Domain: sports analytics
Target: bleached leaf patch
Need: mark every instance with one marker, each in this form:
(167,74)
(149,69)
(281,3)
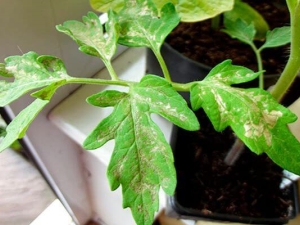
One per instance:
(253,114)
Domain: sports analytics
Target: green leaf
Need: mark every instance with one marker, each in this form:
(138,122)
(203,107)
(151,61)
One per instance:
(2,131)
(240,30)
(285,149)
(90,37)
(189,11)
(47,92)
(198,10)
(232,74)
(248,14)
(106,5)
(19,125)
(140,25)
(277,37)
(142,160)
(17,128)
(106,98)
(253,114)
(30,72)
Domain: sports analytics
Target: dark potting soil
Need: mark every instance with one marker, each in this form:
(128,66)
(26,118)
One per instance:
(201,43)
(249,188)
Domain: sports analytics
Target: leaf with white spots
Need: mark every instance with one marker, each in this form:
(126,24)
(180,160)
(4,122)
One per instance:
(142,159)
(17,128)
(232,74)
(141,26)
(30,72)
(253,114)
(90,36)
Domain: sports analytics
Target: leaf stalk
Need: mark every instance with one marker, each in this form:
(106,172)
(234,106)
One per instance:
(235,152)
(182,87)
(111,70)
(76,80)
(163,65)
(259,64)
(215,22)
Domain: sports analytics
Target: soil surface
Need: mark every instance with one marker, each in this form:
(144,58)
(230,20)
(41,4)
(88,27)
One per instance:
(249,188)
(200,42)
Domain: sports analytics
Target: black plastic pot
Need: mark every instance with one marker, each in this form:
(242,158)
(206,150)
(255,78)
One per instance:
(176,209)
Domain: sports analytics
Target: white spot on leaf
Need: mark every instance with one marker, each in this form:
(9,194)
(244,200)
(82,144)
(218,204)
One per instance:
(271,117)
(268,121)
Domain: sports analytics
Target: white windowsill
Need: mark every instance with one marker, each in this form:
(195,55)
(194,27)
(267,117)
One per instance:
(54,214)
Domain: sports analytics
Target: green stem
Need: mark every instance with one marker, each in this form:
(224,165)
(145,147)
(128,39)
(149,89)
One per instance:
(292,67)
(260,68)
(182,87)
(78,80)
(111,70)
(163,65)
(235,152)
(259,64)
(215,22)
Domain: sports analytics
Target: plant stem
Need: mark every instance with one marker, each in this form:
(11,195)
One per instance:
(111,70)
(260,68)
(162,64)
(182,87)
(259,64)
(292,67)
(235,152)
(215,22)
(77,80)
